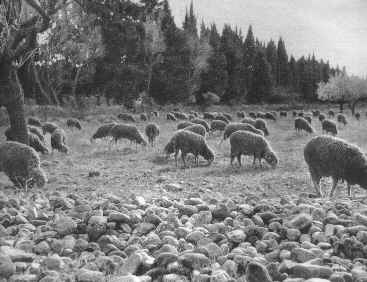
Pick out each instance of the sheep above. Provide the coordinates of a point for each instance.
(103, 131)
(252, 115)
(261, 124)
(195, 114)
(189, 142)
(249, 121)
(217, 125)
(179, 115)
(209, 116)
(36, 143)
(260, 115)
(155, 113)
(191, 116)
(357, 116)
(294, 113)
(202, 122)
(152, 132)
(308, 118)
(270, 116)
(143, 117)
(316, 113)
(171, 117)
(73, 122)
(184, 124)
(328, 156)
(302, 124)
(126, 117)
(228, 116)
(21, 164)
(35, 130)
(34, 121)
(58, 141)
(301, 114)
(331, 114)
(322, 117)
(129, 132)
(341, 119)
(222, 118)
(197, 128)
(329, 126)
(283, 114)
(233, 127)
(241, 114)
(49, 127)
(247, 143)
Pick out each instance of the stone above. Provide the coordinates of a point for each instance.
(256, 272)
(86, 275)
(236, 236)
(16, 254)
(7, 267)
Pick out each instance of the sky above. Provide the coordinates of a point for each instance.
(334, 30)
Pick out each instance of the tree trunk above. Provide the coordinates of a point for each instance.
(75, 84)
(18, 124)
(40, 87)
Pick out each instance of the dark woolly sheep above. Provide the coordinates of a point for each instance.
(74, 123)
(250, 144)
(36, 143)
(126, 117)
(152, 132)
(261, 115)
(294, 113)
(341, 119)
(189, 142)
(202, 122)
(283, 114)
(233, 127)
(331, 114)
(357, 116)
(301, 114)
(222, 118)
(171, 116)
(328, 156)
(143, 117)
(49, 127)
(208, 115)
(261, 124)
(179, 115)
(125, 131)
(308, 118)
(316, 113)
(302, 124)
(197, 128)
(329, 126)
(184, 124)
(103, 131)
(217, 125)
(21, 164)
(34, 121)
(58, 141)
(252, 115)
(322, 117)
(270, 116)
(241, 114)
(35, 130)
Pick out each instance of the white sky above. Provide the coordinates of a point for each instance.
(335, 30)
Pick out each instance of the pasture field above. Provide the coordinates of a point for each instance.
(125, 169)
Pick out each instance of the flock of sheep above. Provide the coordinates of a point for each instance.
(326, 155)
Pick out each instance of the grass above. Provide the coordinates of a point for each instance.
(125, 170)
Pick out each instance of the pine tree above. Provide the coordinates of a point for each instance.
(190, 23)
(249, 53)
(282, 66)
(272, 57)
(293, 74)
(262, 85)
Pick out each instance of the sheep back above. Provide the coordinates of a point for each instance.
(197, 128)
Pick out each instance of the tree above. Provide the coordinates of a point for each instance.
(272, 57)
(262, 85)
(249, 53)
(282, 67)
(343, 89)
(20, 22)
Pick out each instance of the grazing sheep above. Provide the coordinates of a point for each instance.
(58, 141)
(189, 142)
(35, 130)
(328, 156)
(252, 115)
(260, 115)
(196, 114)
(316, 113)
(171, 116)
(143, 117)
(126, 117)
(270, 116)
(36, 143)
(302, 124)
(329, 126)
(322, 117)
(261, 124)
(331, 114)
(155, 113)
(179, 115)
(184, 124)
(49, 127)
(247, 143)
(21, 164)
(197, 128)
(233, 127)
(34, 121)
(73, 122)
(301, 114)
(228, 116)
(129, 132)
(222, 118)
(202, 122)
(249, 121)
(308, 118)
(191, 116)
(217, 125)
(341, 119)
(357, 116)
(209, 116)
(241, 114)
(294, 113)
(103, 131)
(152, 132)
(283, 114)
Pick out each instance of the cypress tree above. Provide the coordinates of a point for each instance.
(249, 53)
(282, 66)
(272, 57)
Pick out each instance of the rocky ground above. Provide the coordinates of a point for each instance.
(57, 236)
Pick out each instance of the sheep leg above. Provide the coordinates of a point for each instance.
(335, 182)
(254, 161)
(183, 155)
(239, 159)
(176, 160)
(232, 158)
(316, 183)
(350, 191)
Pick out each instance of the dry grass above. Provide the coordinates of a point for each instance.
(125, 171)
